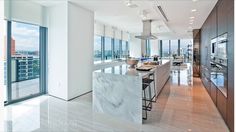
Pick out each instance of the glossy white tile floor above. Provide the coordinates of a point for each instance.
(180, 107)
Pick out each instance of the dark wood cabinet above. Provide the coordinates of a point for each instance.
(222, 17)
(222, 104)
(213, 23)
(220, 21)
(213, 93)
(206, 84)
(230, 99)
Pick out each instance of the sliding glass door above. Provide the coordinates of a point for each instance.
(25, 56)
(26, 61)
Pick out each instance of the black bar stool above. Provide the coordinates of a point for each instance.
(145, 101)
(148, 80)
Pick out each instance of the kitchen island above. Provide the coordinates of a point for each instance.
(117, 90)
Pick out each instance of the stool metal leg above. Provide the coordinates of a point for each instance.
(150, 96)
(154, 83)
(145, 105)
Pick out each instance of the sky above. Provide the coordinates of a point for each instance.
(26, 36)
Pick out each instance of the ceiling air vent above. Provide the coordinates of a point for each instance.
(159, 8)
(162, 13)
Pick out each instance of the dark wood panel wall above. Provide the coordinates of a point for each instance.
(220, 21)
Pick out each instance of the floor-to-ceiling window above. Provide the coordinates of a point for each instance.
(110, 44)
(97, 48)
(108, 48)
(125, 49)
(186, 49)
(116, 51)
(173, 48)
(181, 47)
(25, 57)
(148, 48)
(25, 61)
(165, 48)
(128, 48)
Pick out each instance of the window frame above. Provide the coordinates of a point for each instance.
(43, 64)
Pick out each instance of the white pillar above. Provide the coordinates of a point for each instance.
(70, 50)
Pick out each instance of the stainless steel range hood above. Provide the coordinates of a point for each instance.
(146, 34)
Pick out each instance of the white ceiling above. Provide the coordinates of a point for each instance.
(117, 14)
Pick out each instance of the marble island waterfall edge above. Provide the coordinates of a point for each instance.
(120, 95)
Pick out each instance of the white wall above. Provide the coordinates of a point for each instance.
(135, 46)
(70, 50)
(1, 62)
(80, 55)
(154, 47)
(25, 11)
(58, 51)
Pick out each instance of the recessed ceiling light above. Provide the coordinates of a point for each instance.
(194, 0)
(130, 4)
(193, 10)
(191, 23)
(191, 20)
(192, 17)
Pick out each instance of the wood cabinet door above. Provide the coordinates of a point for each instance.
(222, 104)
(230, 99)
(222, 16)
(213, 93)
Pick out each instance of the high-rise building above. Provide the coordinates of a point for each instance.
(13, 47)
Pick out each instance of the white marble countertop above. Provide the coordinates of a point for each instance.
(124, 69)
(117, 89)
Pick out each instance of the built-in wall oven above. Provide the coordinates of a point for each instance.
(219, 68)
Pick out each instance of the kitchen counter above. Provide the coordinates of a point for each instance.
(117, 90)
(124, 69)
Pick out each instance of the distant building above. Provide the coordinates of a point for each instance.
(24, 64)
(13, 47)
(24, 67)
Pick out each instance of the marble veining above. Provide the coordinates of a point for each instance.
(117, 91)
(117, 96)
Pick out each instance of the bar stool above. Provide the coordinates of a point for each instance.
(152, 75)
(148, 80)
(144, 98)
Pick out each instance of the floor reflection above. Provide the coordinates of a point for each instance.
(181, 106)
(182, 75)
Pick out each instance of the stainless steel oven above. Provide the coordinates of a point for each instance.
(219, 69)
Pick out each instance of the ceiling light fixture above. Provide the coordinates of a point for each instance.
(191, 23)
(191, 20)
(194, 0)
(144, 14)
(130, 4)
(192, 17)
(193, 10)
